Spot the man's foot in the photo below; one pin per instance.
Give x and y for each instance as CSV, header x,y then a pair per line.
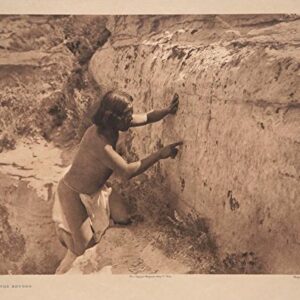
x,y
66,264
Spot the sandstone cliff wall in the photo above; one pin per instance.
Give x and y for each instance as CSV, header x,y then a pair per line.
x,y
238,78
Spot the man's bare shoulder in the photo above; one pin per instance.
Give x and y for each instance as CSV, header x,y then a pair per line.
x,y
92,138
92,130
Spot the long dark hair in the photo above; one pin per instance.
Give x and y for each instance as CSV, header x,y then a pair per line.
x,y
111,108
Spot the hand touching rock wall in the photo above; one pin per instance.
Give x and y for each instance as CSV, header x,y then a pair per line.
x,y
238,80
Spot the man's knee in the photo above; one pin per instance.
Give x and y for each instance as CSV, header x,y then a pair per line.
x,y
118,210
122,221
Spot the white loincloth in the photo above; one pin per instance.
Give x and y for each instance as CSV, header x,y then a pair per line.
x,y
97,206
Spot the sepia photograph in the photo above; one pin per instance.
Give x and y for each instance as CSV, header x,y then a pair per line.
x,y
149,144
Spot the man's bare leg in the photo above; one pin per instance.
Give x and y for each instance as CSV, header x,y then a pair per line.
x,y
67,241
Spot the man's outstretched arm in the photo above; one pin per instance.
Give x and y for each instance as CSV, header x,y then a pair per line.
x,y
155,115
127,170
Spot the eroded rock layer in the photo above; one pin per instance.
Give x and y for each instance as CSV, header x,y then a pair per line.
x,y
238,78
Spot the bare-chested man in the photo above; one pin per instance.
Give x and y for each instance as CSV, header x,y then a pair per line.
x,y
94,163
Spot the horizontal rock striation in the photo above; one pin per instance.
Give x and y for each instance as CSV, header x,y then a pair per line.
x,y
238,78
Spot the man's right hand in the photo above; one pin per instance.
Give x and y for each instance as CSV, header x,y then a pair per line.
x,y
173,107
169,151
